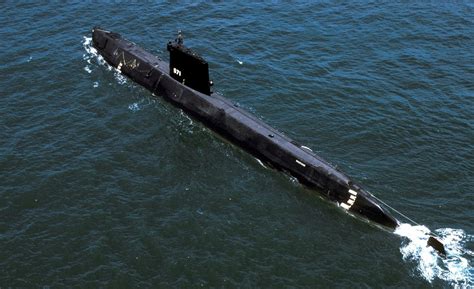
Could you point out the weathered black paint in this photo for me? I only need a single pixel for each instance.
(239, 126)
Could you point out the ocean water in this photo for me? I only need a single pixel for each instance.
(103, 185)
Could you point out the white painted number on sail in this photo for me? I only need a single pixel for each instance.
(177, 71)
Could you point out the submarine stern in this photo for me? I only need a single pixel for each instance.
(362, 204)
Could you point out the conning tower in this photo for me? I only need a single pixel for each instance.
(187, 67)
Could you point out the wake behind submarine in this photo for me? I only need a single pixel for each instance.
(185, 83)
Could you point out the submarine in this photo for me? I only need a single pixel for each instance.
(185, 83)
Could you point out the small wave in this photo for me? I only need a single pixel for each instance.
(455, 269)
(140, 103)
(134, 107)
(186, 123)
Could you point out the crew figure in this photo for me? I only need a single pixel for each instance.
(180, 38)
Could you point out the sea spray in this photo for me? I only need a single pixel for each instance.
(456, 268)
(93, 54)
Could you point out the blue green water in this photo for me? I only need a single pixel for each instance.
(103, 185)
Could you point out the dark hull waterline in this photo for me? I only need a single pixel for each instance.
(240, 127)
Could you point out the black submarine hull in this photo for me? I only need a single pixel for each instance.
(241, 128)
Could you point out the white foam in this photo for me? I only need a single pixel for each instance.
(455, 269)
(293, 180)
(181, 112)
(261, 163)
(119, 77)
(91, 51)
(134, 107)
(93, 54)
